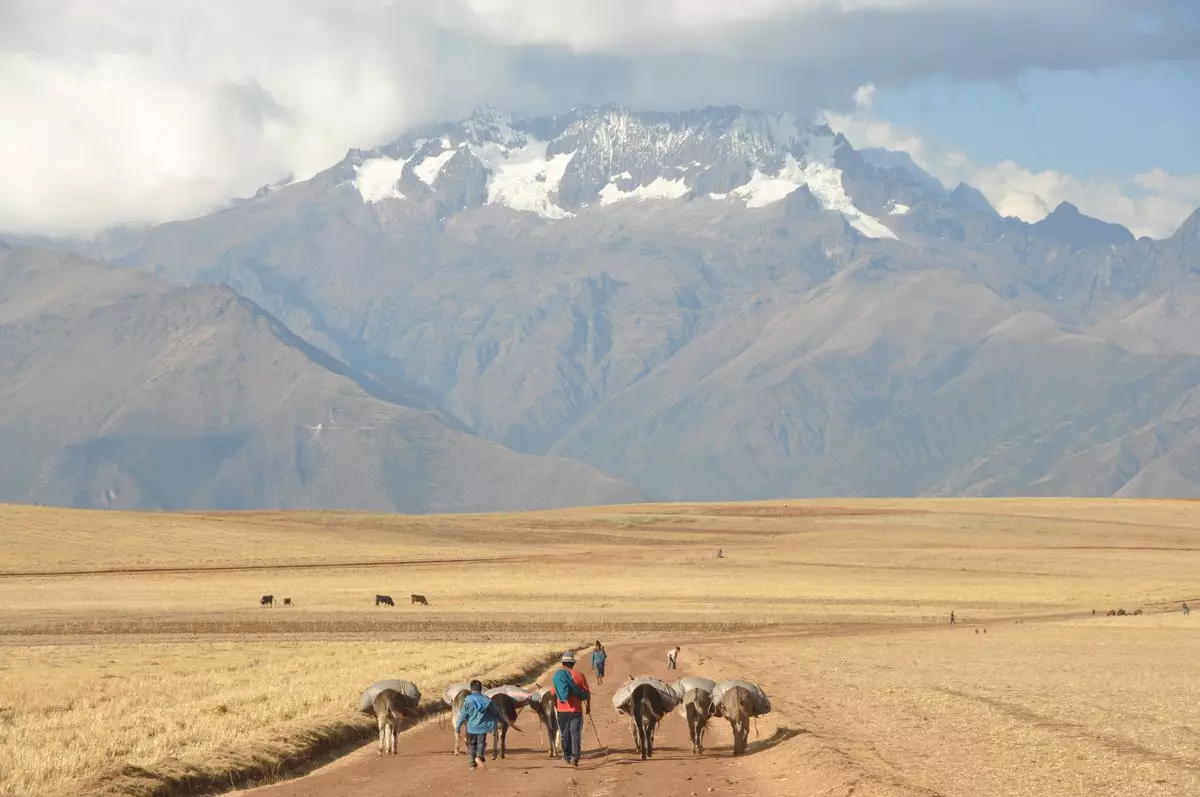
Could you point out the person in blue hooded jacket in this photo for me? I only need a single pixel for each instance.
(480, 717)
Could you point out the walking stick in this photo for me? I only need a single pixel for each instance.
(599, 741)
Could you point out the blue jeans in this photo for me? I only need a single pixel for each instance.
(476, 746)
(570, 725)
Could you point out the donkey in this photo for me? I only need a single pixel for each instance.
(508, 708)
(384, 599)
(391, 707)
(646, 708)
(697, 704)
(544, 705)
(737, 706)
(455, 710)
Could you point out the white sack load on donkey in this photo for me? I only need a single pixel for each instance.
(738, 701)
(406, 688)
(695, 706)
(644, 700)
(391, 701)
(624, 695)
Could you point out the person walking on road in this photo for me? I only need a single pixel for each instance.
(599, 656)
(951, 617)
(672, 657)
(1186, 610)
(479, 715)
(574, 698)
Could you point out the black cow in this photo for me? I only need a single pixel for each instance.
(420, 599)
(385, 599)
(267, 600)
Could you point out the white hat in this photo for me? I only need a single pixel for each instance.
(568, 658)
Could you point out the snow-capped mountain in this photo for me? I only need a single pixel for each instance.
(726, 303)
(592, 158)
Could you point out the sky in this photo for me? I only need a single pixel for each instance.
(142, 111)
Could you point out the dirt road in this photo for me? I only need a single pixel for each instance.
(426, 766)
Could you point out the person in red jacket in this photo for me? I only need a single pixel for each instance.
(573, 695)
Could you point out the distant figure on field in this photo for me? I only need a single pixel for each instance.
(573, 695)
(599, 656)
(267, 600)
(672, 658)
(287, 601)
(479, 716)
(951, 617)
(1186, 610)
(719, 554)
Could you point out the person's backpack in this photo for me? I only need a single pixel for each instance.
(562, 688)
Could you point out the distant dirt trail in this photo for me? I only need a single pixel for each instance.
(425, 765)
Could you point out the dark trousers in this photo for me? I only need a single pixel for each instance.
(670, 662)
(570, 725)
(476, 746)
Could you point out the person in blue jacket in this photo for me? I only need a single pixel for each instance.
(480, 717)
(599, 656)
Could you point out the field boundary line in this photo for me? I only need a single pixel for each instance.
(281, 758)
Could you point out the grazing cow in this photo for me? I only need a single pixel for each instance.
(287, 601)
(697, 703)
(738, 706)
(544, 705)
(646, 709)
(420, 599)
(507, 707)
(1121, 612)
(1137, 611)
(391, 707)
(267, 600)
(385, 599)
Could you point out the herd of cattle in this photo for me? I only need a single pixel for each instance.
(385, 600)
(645, 700)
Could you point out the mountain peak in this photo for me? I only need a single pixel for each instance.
(1190, 229)
(1068, 226)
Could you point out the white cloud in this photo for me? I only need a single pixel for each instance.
(1154, 203)
(128, 111)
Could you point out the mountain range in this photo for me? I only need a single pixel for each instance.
(717, 304)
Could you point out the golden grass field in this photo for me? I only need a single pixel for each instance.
(136, 630)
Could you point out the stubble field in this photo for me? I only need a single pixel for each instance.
(142, 635)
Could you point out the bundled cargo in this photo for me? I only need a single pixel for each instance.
(761, 704)
(693, 682)
(406, 688)
(520, 696)
(687, 684)
(623, 695)
(454, 690)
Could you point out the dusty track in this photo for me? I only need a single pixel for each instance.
(426, 766)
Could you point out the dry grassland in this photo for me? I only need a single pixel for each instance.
(842, 606)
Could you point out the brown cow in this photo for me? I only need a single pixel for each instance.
(287, 601)
(420, 599)
(391, 707)
(737, 706)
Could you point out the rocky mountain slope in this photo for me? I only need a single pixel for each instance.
(120, 390)
(728, 304)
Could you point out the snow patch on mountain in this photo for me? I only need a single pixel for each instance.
(524, 179)
(428, 169)
(825, 183)
(897, 209)
(660, 188)
(376, 178)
